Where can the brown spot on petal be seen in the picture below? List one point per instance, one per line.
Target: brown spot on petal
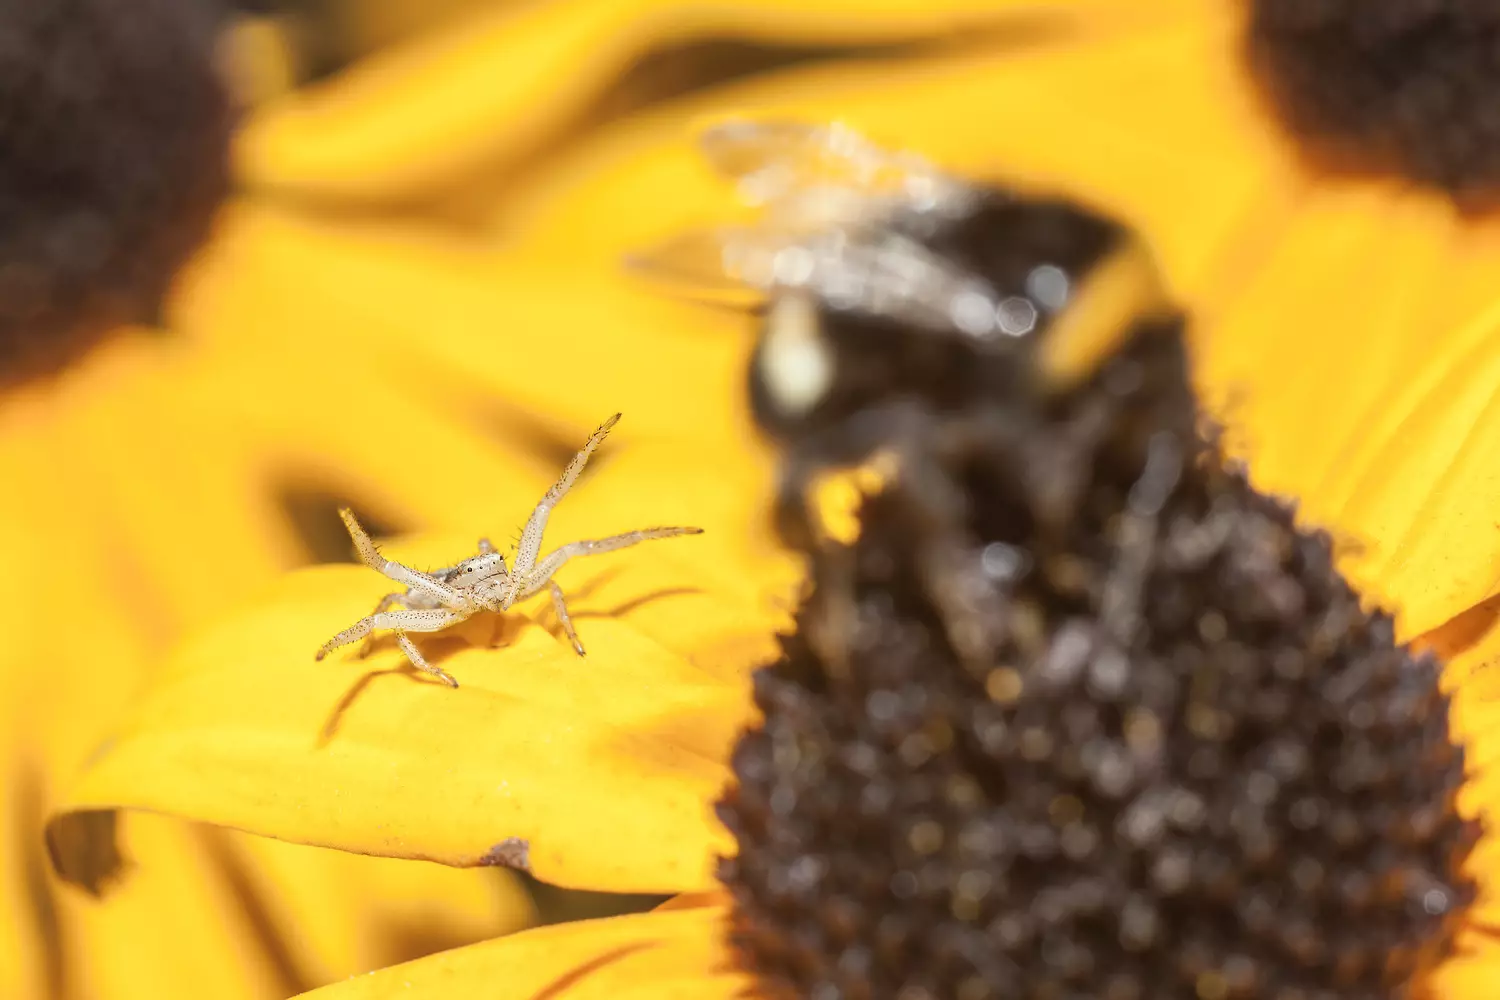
(85, 849)
(512, 852)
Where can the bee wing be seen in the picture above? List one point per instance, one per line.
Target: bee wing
(870, 270)
(697, 264)
(827, 174)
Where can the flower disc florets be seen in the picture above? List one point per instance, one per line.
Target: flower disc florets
(1198, 768)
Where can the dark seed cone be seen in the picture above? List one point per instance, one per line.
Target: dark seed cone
(1392, 86)
(114, 131)
(1196, 769)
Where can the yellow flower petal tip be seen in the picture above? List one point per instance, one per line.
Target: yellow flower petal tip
(680, 954)
(521, 767)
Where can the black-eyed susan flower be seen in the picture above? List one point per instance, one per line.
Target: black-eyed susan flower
(175, 437)
(1150, 111)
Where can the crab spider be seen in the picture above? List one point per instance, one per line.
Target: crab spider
(434, 600)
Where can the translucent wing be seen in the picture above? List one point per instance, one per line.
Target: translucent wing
(694, 265)
(810, 175)
(869, 269)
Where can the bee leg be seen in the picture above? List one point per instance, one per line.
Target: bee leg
(1136, 538)
(792, 515)
(830, 628)
(947, 563)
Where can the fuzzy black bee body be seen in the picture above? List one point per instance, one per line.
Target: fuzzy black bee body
(898, 297)
(915, 314)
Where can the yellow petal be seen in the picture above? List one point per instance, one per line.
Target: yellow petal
(523, 765)
(665, 955)
(492, 88)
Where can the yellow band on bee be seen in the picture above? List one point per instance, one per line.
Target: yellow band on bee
(1124, 287)
(838, 493)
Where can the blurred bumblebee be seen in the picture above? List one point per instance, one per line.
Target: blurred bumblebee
(905, 311)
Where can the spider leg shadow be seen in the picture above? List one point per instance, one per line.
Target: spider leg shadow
(436, 648)
(336, 717)
(585, 590)
(505, 627)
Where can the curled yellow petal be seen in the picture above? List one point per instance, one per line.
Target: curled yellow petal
(677, 954)
(522, 766)
(493, 87)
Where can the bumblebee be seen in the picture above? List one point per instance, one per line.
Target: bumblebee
(912, 313)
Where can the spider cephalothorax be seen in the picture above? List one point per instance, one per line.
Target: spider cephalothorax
(435, 599)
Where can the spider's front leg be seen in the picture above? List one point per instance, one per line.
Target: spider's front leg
(401, 622)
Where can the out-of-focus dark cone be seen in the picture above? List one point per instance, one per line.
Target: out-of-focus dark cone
(114, 137)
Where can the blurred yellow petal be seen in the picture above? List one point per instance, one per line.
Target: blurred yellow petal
(153, 939)
(523, 765)
(390, 911)
(555, 339)
(665, 955)
(492, 88)
(1053, 114)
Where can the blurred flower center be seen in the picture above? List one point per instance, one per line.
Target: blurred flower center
(1390, 86)
(116, 139)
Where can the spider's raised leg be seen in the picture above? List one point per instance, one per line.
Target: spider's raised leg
(531, 536)
(371, 557)
(554, 560)
(563, 616)
(420, 662)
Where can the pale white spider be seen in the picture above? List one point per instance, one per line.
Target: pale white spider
(434, 600)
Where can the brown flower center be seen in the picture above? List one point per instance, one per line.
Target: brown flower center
(1396, 86)
(1197, 769)
(116, 131)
